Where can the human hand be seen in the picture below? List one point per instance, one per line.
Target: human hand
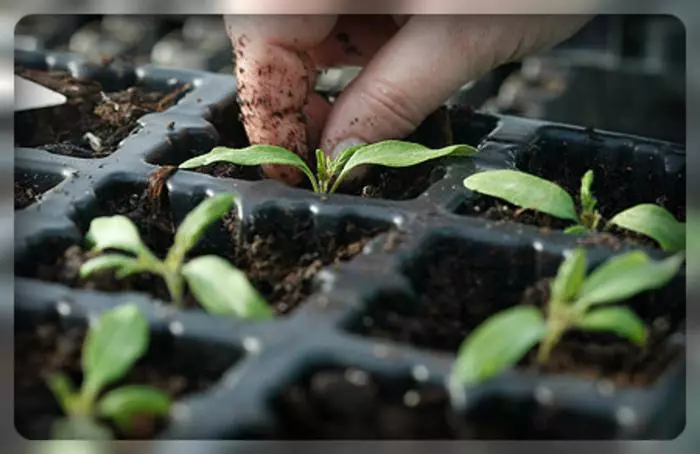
(411, 65)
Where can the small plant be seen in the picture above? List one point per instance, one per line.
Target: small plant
(574, 302)
(534, 193)
(218, 286)
(331, 172)
(113, 344)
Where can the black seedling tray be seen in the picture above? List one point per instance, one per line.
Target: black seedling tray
(365, 348)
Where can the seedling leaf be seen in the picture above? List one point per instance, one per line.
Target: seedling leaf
(397, 153)
(253, 155)
(570, 277)
(620, 320)
(223, 289)
(122, 404)
(124, 265)
(576, 229)
(79, 428)
(655, 222)
(341, 160)
(321, 165)
(524, 190)
(625, 276)
(115, 232)
(588, 201)
(498, 343)
(62, 389)
(112, 345)
(196, 222)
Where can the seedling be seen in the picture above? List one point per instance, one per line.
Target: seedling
(531, 192)
(574, 302)
(218, 286)
(113, 344)
(330, 172)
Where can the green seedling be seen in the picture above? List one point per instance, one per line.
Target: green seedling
(575, 303)
(217, 285)
(533, 193)
(330, 172)
(113, 344)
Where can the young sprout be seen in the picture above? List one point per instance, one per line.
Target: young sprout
(575, 302)
(218, 286)
(534, 193)
(112, 346)
(330, 172)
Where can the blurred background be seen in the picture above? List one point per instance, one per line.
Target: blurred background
(621, 73)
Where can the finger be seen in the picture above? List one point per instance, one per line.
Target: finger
(354, 40)
(275, 78)
(424, 63)
(317, 111)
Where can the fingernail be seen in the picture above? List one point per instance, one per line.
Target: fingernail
(344, 144)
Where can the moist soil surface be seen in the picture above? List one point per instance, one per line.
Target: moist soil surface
(378, 182)
(30, 186)
(459, 288)
(279, 261)
(108, 117)
(49, 348)
(499, 211)
(25, 194)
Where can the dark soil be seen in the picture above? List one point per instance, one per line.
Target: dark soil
(460, 286)
(380, 182)
(30, 186)
(500, 211)
(280, 256)
(109, 117)
(350, 404)
(25, 194)
(49, 348)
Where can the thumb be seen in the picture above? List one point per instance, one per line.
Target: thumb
(424, 63)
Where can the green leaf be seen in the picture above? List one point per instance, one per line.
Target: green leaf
(62, 389)
(498, 343)
(115, 232)
(396, 153)
(570, 277)
(588, 201)
(253, 155)
(224, 290)
(112, 346)
(122, 404)
(124, 265)
(655, 222)
(625, 276)
(577, 229)
(619, 320)
(196, 223)
(342, 159)
(80, 428)
(524, 190)
(321, 164)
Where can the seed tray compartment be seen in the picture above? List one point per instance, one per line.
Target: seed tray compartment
(363, 257)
